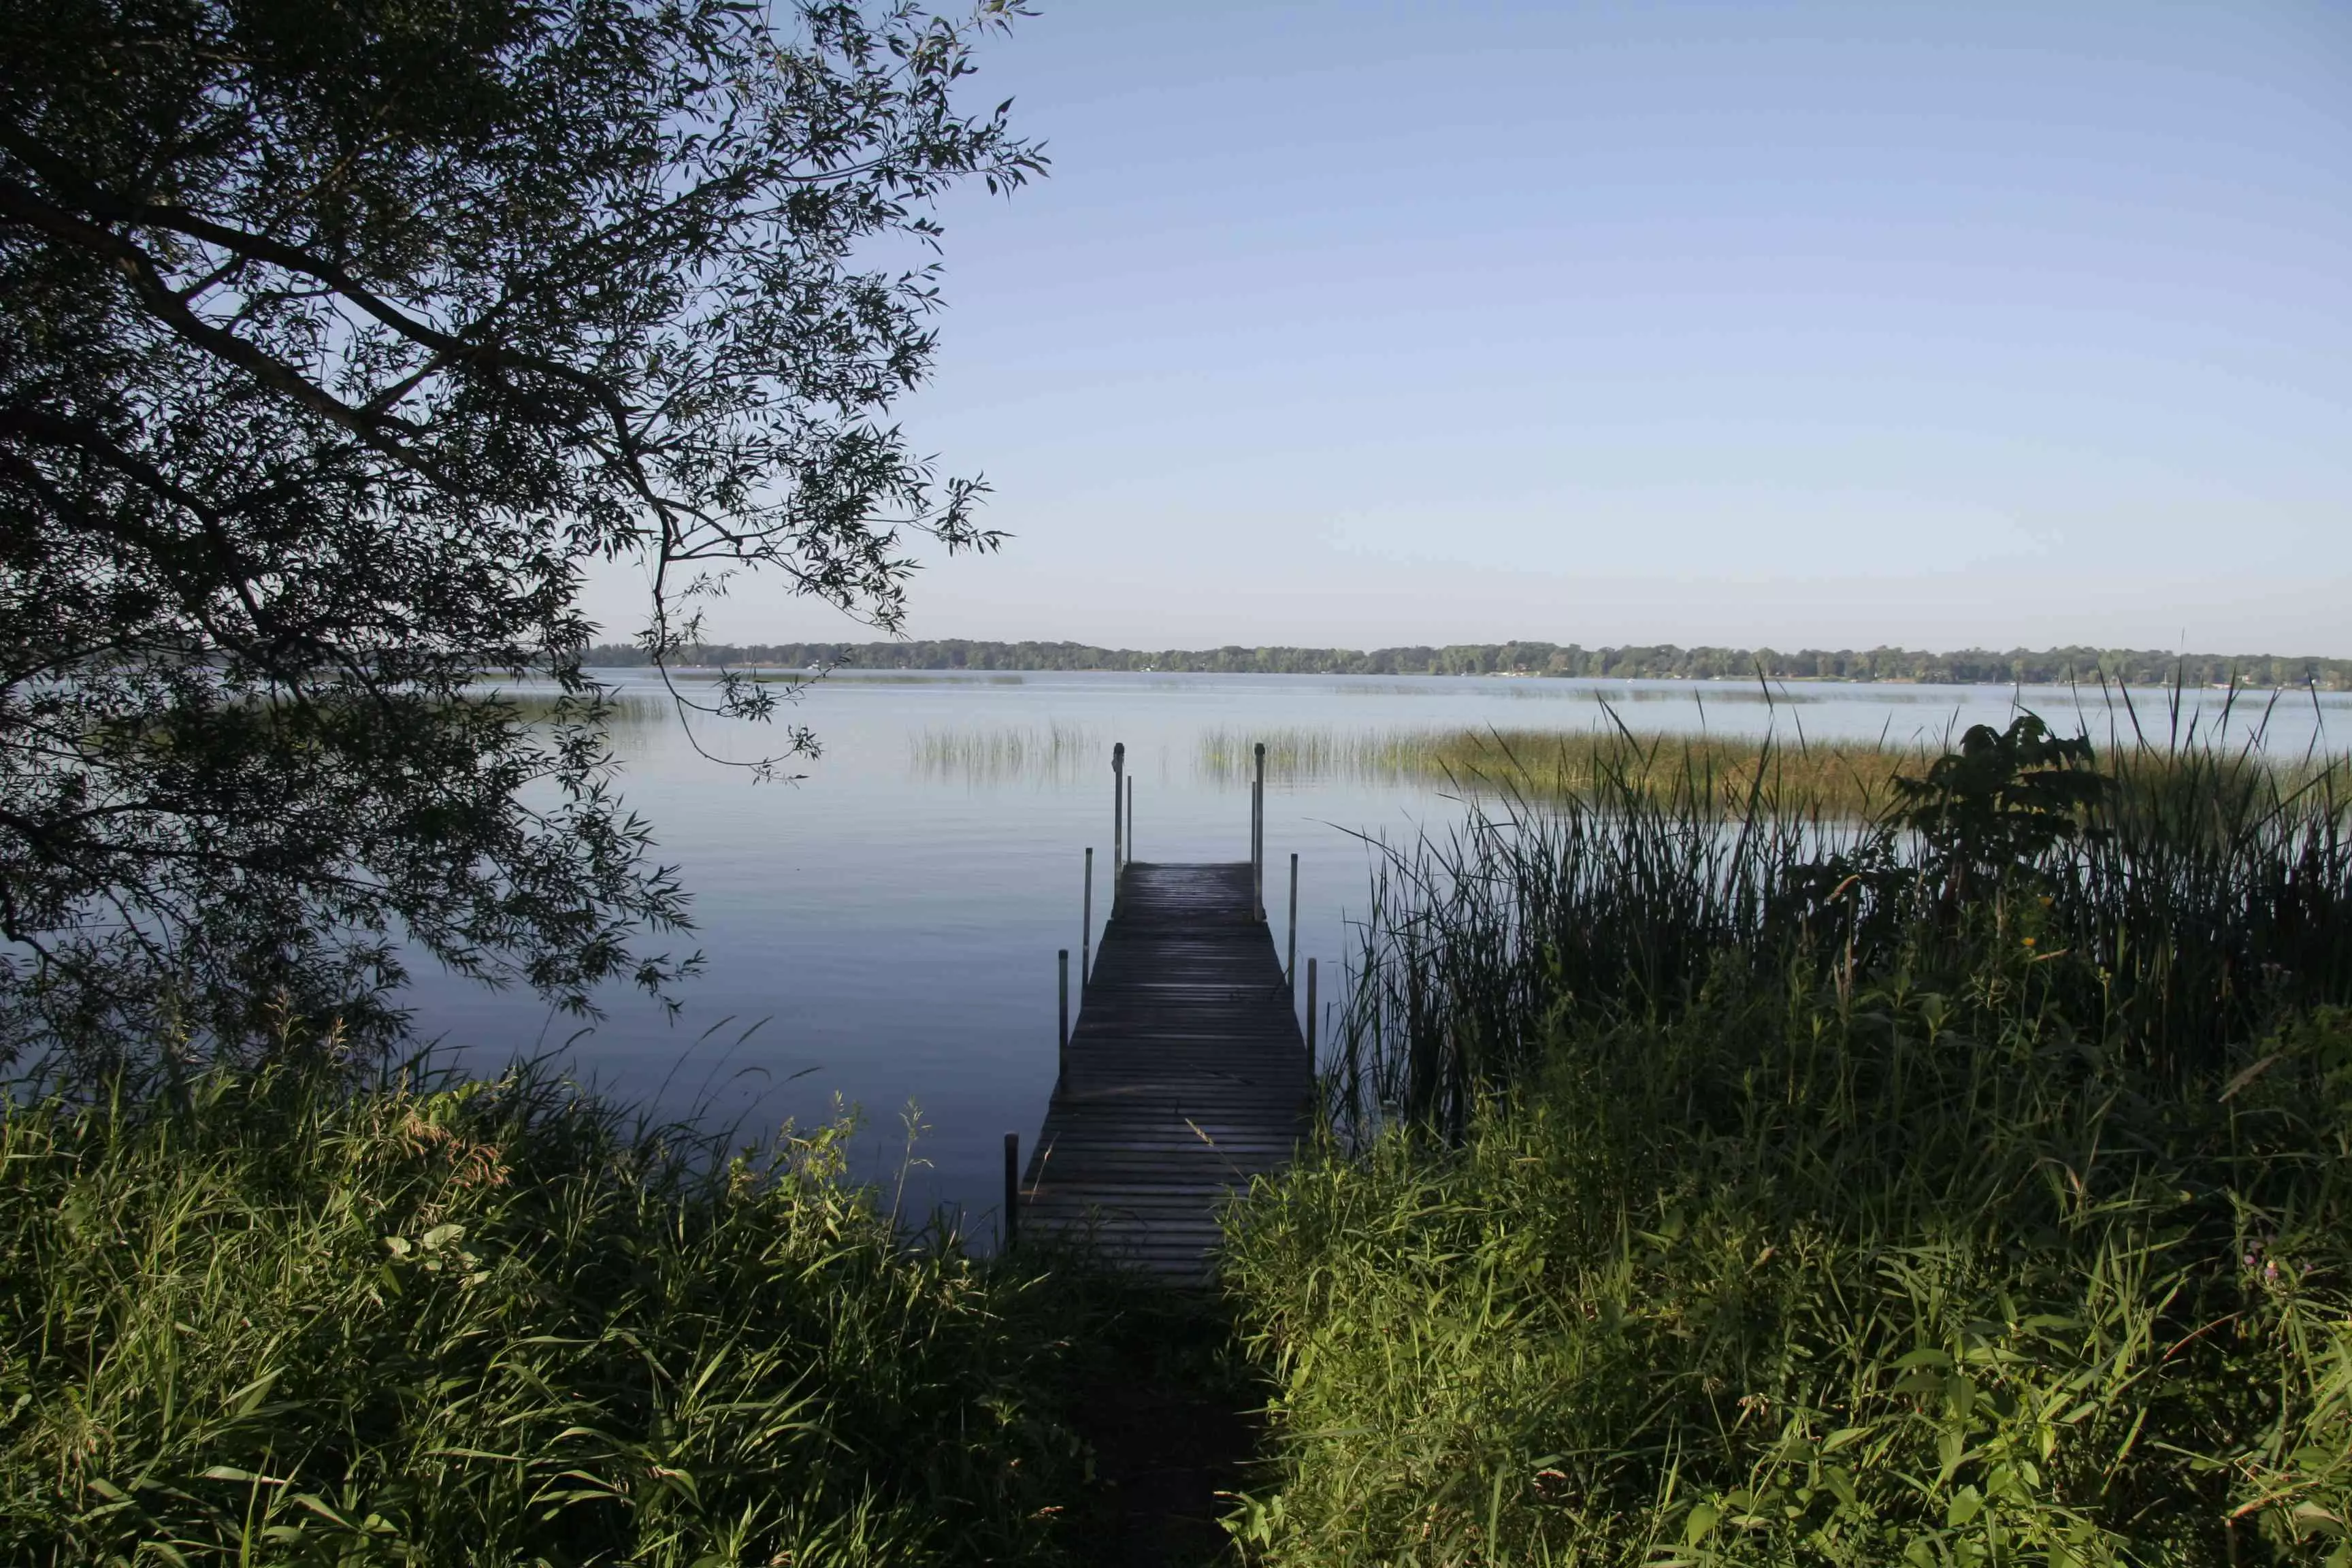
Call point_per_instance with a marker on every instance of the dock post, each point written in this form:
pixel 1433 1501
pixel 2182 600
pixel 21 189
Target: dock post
pixel 1117 815
pixel 1062 1060
pixel 1087 926
pixel 1012 1190
pixel 1291 954
pixel 1310 1016
pixel 1257 848
pixel 1257 833
pixel 1131 821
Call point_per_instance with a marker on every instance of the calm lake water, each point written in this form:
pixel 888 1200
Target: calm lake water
pixel 883 931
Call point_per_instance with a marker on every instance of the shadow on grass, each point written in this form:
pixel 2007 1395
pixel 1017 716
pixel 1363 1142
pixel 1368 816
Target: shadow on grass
pixel 1168 1407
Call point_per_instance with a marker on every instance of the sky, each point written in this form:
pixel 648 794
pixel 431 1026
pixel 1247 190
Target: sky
pixel 1760 323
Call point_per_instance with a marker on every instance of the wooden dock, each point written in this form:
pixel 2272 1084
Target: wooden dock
pixel 1185 1075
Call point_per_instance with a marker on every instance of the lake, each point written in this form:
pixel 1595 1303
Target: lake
pixel 882 932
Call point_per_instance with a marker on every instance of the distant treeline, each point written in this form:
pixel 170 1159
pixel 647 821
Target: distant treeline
pixel 1664 662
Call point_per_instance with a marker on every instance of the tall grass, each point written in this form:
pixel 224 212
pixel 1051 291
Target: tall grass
pixel 1763 1186
pixel 1049 753
pixel 1906 1276
pixel 619 710
pixel 2209 889
pixel 258 1316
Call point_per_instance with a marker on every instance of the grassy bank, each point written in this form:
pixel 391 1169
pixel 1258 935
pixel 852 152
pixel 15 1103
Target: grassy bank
pixel 1752 1191
pixel 260 1316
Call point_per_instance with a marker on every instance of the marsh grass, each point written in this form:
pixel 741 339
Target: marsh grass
pixel 621 709
pixel 263 1316
pixel 1049 753
pixel 1731 1185
pixel 2212 888
pixel 1841 777
pixel 1832 778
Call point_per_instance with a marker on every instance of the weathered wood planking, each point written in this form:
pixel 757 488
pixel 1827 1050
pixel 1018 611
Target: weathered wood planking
pixel 1186 1076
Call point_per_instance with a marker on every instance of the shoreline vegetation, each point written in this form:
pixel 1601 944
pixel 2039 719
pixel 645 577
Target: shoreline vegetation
pixel 1730 775
pixel 1704 1180
pixel 1973 667
pixel 1967 1185
pixel 305 1312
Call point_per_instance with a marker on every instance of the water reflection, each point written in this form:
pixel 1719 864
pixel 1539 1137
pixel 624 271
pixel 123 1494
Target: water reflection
pixel 896 914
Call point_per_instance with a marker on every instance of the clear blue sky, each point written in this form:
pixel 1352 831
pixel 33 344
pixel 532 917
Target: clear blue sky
pixel 1805 324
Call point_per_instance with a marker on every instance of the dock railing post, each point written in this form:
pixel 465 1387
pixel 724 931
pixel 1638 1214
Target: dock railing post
pixel 1062 1060
pixel 1012 1190
pixel 1310 1016
pixel 1257 872
pixel 1257 832
pixel 1117 816
pixel 1131 821
pixel 1087 926
pixel 1290 952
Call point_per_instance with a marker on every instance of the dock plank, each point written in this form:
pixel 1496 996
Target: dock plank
pixel 1186 1076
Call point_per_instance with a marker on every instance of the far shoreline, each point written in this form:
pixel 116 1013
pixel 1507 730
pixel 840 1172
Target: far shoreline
pixel 2135 669
pixel 857 672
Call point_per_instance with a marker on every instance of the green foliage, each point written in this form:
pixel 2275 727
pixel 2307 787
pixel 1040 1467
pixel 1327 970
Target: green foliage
pixel 339 340
pixel 1794 1277
pixel 2005 799
pixel 1764 1189
pixel 2198 891
pixel 251 1317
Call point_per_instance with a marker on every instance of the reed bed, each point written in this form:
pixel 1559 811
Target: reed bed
pixel 1847 778
pixel 1771 1187
pixel 1050 754
pixel 619 710
pixel 260 1316
pixel 1834 778
pixel 1844 777
pixel 2208 888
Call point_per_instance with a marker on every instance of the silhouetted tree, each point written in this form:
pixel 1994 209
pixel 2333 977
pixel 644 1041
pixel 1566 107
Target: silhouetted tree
pixel 338 336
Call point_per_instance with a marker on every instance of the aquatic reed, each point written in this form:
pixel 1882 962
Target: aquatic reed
pixel 1840 778
pixel 619 710
pixel 2210 888
pixel 1050 754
